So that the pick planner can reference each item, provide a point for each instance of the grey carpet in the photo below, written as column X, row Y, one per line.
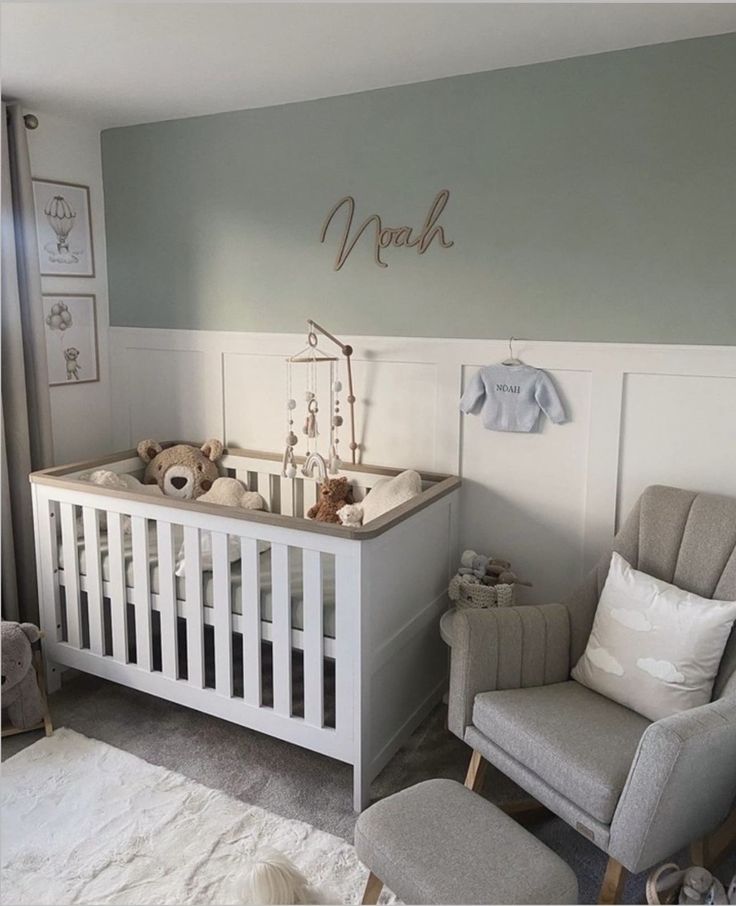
column 286, row 779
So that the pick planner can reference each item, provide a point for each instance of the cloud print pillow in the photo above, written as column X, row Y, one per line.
column 653, row 648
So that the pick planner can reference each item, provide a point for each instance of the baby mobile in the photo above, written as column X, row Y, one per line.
column 313, row 425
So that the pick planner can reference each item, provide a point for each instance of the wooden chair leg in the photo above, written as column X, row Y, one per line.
column 476, row 772
column 612, row 887
column 521, row 809
column 40, row 672
column 373, row 888
column 699, row 852
column 709, row 851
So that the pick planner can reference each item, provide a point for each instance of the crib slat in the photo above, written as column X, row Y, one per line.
column 250, row 590
column 142, row 596
column 91, row 521
column 264, row 489
column 281, row 621
column 223, row 615
column 287, row 496
column 298, row 492
column 71, row 575
column 314, row 712
column 310, row 493
column 167, row 598
column 193, row 607
column 118, row 589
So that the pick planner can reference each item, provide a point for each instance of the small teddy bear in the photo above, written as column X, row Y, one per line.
column 71, row 354
column 333, row 495
column 351, row 515
column 20, row 693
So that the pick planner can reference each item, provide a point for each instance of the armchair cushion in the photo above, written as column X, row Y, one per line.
column 577, row 741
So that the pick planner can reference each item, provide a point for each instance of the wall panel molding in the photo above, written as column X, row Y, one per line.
column 549, row 501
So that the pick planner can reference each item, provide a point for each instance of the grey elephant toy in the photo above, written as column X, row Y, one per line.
column 21, row 696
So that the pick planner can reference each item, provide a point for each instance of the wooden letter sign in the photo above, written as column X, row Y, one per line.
column 383, row 237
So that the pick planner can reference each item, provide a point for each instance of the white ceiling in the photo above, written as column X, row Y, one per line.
column 122, row 63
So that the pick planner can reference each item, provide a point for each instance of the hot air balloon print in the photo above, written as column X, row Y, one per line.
column 61, row 217
column 63, row 228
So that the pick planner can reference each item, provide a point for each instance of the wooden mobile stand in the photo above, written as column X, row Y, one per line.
column 347, row 351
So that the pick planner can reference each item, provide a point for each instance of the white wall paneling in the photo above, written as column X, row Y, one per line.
column 549, row 501
column 693, row 418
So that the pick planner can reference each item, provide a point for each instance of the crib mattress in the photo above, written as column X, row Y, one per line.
column 295, row 584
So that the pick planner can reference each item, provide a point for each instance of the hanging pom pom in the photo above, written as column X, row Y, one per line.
column 291, row 439
column 291, row 404
column 337, row 386
column 336, row 421
column 291, row 470
column 308, row 396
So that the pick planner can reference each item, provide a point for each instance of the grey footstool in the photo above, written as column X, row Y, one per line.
column 438, row 842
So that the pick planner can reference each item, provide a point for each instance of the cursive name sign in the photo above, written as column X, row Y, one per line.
column 383, row 237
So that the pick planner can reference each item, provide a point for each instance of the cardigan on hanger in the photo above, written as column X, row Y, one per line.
column 510, row 397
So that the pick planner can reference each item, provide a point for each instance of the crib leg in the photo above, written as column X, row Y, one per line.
column 52, row 674
column 361, row 789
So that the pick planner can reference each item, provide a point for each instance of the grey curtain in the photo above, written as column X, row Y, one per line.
column 27, row 442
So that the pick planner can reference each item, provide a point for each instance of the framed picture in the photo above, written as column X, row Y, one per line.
column 70, row 326
column 63, row 229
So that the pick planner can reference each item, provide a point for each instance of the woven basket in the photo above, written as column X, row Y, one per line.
column 471, row 594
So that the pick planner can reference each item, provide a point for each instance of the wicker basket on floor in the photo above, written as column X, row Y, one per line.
column 472, row 594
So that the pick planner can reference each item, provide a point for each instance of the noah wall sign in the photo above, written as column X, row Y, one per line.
column 382, row 237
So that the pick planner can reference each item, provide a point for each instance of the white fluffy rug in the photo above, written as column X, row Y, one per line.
column 83, row 822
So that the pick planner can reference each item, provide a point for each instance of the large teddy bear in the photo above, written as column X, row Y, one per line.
column 20, row 693
column 190, row 473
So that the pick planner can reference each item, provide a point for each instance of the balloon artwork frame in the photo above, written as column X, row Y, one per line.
column 63, row 228
column 70, row 330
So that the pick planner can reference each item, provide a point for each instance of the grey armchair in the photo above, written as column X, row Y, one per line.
column 639, row 790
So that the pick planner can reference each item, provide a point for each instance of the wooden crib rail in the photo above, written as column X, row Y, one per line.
column 245, row 460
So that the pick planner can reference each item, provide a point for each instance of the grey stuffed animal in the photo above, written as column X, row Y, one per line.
column 20, row 693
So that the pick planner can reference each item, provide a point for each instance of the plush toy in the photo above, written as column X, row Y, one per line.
column 351, row 515
column 20, row 693
column 181, row 471
column 231, row 492
column 120, row 481
column 472, row 564
column 273, row 878
column 388, row 493
column 333, row 494
column 385, row 495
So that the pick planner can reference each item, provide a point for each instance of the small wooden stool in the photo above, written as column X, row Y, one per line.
column 438, row 842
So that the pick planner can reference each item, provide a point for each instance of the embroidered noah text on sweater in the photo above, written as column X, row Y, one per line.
column 510, row 397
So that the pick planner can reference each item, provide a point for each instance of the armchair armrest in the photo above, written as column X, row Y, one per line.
column 505, row 648
column 681, row 785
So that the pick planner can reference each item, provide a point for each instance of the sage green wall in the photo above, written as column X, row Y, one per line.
column 591, row 199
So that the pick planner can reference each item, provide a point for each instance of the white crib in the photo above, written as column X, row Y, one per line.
column 317, row 634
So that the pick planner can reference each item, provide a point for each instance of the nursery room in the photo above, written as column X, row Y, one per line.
column 368, row 453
